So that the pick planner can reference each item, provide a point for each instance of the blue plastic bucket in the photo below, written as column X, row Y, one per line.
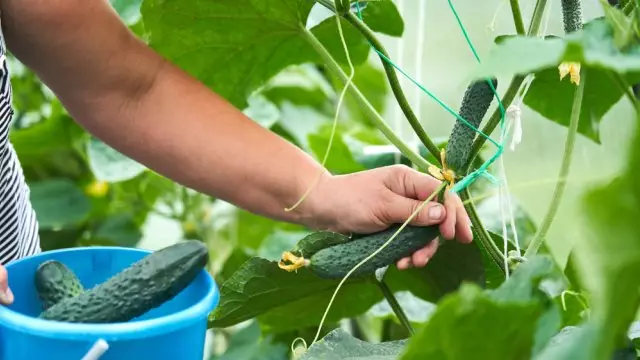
column 175, row 330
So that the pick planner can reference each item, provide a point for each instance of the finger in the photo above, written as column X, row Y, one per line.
column 399, row 209
column 421, row 257
column 463, row 225
column 404, row 263
column 407, row 182
column 6, row 296
column 448, row 225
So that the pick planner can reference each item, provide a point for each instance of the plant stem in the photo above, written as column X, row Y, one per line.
column 333, row 66
column 535, row 244
column 485, row 239
column 392, row 77
column 517, row 17
column 536, row 18
column 395, row 306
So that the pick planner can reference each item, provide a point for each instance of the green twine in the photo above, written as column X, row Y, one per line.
column 482, row 170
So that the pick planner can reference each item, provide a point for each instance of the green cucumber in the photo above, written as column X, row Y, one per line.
column 475, row 104
column 54, row 282
column 145, row 285
column 572, row 15
column 317, row 241
column 336, row 261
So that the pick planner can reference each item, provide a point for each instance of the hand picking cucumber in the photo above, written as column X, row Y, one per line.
column 145, row 285
column 337, row 260
column 54, row 282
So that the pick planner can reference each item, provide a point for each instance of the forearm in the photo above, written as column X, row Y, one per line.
column 127, row 95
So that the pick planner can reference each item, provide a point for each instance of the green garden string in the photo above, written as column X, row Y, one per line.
column 482, row 170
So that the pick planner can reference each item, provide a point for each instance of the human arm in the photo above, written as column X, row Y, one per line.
column 127, row 95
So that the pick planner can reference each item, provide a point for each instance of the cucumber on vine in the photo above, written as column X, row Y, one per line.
column 475, row 104
column 336, row 261
column 572, row 15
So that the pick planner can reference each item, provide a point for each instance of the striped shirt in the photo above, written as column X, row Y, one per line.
column 18, row 225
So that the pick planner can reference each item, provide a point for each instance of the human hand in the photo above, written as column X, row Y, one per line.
column 372, row 200
column 6, row 296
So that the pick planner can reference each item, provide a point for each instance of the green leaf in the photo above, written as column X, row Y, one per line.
column 339, row 344
column 235, row 46
column 372, row 82
column 285, row 301
column 593, row 47
column 247, row 344
column 119, row 230
column 129, row 10
column 107, row 164
column 453, row 264
column 382, row 16
column 621, row 24
column 491, row 216
column 502, row 323
column 553, row 98
column 340, row 159
column 607, row 253
column 279, row 241
column 416, row 309
column 59, row 203
column 249, row 230
column 262, row 111
column 469, row 323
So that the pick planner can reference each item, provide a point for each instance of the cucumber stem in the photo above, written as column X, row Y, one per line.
column 484, row 238
column 395, row 306
column 333, row 66
column 538, row 239
column 517, row 16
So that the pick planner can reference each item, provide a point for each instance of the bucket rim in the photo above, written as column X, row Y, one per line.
column 121, row 331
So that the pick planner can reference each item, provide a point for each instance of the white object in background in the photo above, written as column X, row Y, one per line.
column 97, row 350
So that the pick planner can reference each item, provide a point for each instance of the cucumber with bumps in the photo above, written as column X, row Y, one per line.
column 145, row 285
column 54, row 282
column 475, row 104
column 337, row 260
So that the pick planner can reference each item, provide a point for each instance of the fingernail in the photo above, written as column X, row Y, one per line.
column 6, row 296
column 435, row 213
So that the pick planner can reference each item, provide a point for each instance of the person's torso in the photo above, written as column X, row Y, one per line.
column 18, row 224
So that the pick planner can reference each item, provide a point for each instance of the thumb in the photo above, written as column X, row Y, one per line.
column 6, row 296
column 401, row 208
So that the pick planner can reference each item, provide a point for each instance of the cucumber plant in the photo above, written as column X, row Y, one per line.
column 502, row 297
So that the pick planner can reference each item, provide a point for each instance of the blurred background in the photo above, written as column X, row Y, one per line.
column 85, row 193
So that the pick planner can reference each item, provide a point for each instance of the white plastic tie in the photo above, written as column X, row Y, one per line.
column 514, row 113
column 97, row 350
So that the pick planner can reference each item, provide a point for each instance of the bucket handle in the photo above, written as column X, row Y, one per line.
column 97, row 350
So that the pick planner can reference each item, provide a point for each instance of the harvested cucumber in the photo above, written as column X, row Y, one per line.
column 54, row 282
column 337, row 260
column 317, row 241
column 145, row 285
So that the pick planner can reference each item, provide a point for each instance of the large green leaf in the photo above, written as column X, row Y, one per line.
column 550, row 96
column 285, row 301
column 59, row 203
column 381, row 16
column 129, row 10
column 339, row 344
column 340, row 159
column 453, row 264
column 248, row 344
column 235, row 46
column 108, row 164
column 607, row 254
column 499, row 324
column 118, row 230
